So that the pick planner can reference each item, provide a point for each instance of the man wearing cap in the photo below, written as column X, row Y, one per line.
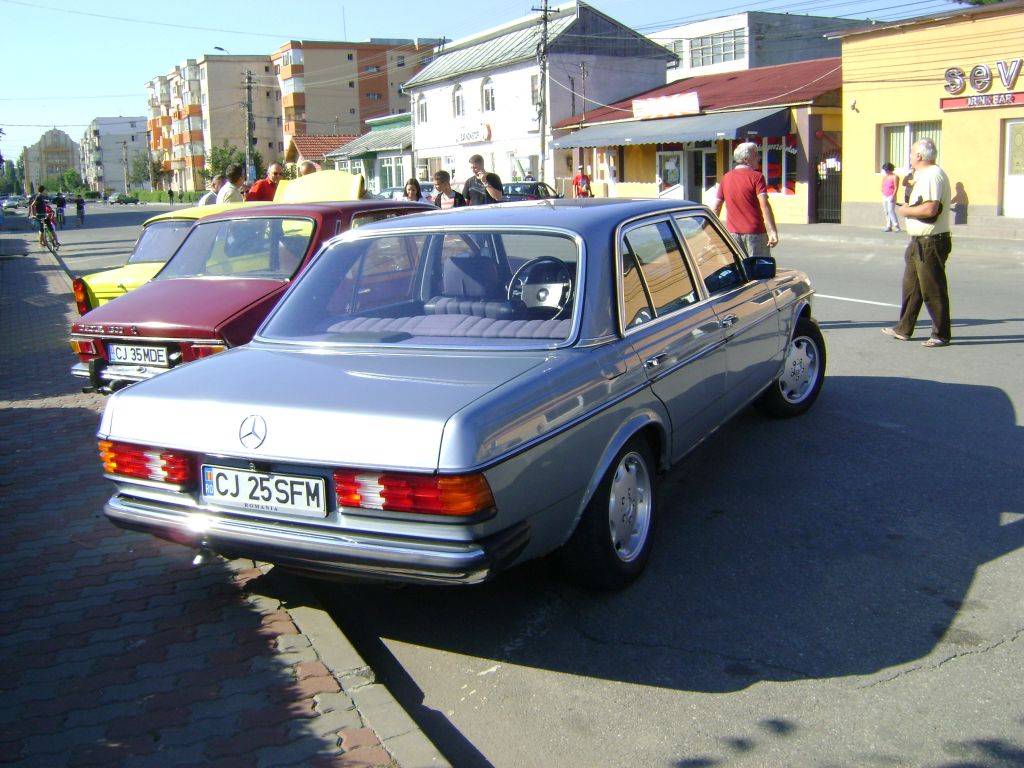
column 581, row 184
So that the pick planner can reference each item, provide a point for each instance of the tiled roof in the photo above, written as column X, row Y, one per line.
column 380, row 140
column 799, row 82
column 316, row 146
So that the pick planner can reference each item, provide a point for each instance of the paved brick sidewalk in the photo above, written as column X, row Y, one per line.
column 115, row 650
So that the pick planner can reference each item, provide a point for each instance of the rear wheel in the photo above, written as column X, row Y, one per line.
column 803, row 373
column 612, row 542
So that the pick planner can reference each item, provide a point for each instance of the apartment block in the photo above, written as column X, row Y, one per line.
column 336, row 87
column 203, row 104
column 108, row 149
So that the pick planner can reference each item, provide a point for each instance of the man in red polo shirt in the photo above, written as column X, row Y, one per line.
column 749, row 215
column 264, row 189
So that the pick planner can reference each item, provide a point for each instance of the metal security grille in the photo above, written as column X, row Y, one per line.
column 829, row 197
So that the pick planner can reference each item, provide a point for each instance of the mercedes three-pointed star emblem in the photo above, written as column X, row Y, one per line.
column 252, row 432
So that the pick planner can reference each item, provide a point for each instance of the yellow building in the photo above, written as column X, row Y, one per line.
column 957, row 78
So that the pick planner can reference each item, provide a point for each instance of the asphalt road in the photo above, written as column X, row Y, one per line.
column 843, row 589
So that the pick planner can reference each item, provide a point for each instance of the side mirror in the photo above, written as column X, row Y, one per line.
column 759, row 267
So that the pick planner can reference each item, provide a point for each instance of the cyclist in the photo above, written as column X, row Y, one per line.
column 80, row 209
column 41, row 211
column 61, row 202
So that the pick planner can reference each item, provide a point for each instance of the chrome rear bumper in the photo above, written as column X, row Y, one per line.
column 323, row 552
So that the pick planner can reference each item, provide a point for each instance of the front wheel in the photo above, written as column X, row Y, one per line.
column 803, row 373
column 612, row 542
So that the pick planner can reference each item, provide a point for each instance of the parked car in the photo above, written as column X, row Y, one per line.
column 527, row 190
column 120, row 198
column 161, row 236
column 15, row 201
column 440, row 397
column 214, row 292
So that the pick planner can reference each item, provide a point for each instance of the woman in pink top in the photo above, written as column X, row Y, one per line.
column 890, row 183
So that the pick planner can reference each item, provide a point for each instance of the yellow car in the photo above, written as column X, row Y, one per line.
column 161, row 235
column 160, row 238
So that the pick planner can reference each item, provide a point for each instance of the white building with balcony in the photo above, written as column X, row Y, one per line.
column 488, row 94
column 109, row 148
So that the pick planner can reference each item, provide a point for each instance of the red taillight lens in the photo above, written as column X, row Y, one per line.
column 86, row 349
column 81, row 295
column 457, row 495
column 147, row 463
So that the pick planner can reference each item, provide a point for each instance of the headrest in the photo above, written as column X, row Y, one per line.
column 471, row 276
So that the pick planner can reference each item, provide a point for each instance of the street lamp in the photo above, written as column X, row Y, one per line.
column 222, row 50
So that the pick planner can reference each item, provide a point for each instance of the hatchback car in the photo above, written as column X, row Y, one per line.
column 441, row 397
column 527, row 190
column 214, row 292
column 120, row 198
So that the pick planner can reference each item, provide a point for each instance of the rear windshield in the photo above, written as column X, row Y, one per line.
column 248, row 247
column 160, row 240
column 452, row 288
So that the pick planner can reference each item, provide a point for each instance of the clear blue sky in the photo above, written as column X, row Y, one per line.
column 68, row 61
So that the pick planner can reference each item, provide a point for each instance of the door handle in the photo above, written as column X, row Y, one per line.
column 728, row 320
column 654, row 362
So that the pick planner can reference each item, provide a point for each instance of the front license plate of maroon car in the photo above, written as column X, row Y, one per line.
column 136, row 354
column 264, row 492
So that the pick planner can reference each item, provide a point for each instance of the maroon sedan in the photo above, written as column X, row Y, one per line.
column 214, row 291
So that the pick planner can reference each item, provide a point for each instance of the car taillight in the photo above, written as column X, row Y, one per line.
column 81, row 295
column 454, row 496
column 147, row 463
column 86, row 349
column 199, row 351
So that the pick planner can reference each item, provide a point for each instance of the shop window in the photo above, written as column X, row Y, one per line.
column 895, row 141
column 778, row 162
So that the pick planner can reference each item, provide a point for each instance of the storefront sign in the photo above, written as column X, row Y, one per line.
column 984, row 100
column 980, row 78
column 476, row 133
column 666, row 106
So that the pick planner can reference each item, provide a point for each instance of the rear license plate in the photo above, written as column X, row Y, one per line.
column 135, row 354
column 264, row 492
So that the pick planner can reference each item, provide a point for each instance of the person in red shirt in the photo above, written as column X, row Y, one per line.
column 264, row 189
column 749, row 215
column 581, row 184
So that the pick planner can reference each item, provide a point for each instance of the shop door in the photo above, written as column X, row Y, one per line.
column 1013, row 179
column 671, row 170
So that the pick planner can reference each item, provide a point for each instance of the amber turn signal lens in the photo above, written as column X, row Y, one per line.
column 454, row 495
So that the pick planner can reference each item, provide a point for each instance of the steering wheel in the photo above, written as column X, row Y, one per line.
column 544, row 283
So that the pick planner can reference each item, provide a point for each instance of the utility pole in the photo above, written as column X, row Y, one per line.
column 249, row 127
column 124, row 164
column 542, row 60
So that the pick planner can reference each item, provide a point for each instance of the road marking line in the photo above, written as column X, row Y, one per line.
column 857, row 301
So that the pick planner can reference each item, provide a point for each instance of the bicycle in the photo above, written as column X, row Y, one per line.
column 60, row 218
column 47, row 238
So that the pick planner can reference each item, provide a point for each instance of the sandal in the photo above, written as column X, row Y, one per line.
column 935, row 343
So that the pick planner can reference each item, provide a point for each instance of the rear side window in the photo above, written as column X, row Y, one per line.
column 717, row 263
column 656, row 280
column 160, row 240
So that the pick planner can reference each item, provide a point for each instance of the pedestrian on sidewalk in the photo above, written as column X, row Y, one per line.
column 890, row 183
column 744, row 193
column 924, row 272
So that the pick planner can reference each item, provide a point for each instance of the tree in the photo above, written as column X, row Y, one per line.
column 221, row 157
column 139, row 169
column 71, row 180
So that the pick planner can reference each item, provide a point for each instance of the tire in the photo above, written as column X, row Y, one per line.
column 803, row 373
column 612, row 542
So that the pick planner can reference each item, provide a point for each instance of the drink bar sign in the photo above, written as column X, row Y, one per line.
column 980, row 81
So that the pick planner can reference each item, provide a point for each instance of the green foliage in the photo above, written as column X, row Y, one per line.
column 71, row 181
column 139, row 170
column 221, row 157
column 11, row 179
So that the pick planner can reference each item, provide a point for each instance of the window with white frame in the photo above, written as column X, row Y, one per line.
column 895, row 140
column 421, row 109
column 535, row 89
column 487, row 95
column 717, row 48
column 458, row 102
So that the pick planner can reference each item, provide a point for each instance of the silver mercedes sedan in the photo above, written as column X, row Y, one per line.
column 445, row 395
